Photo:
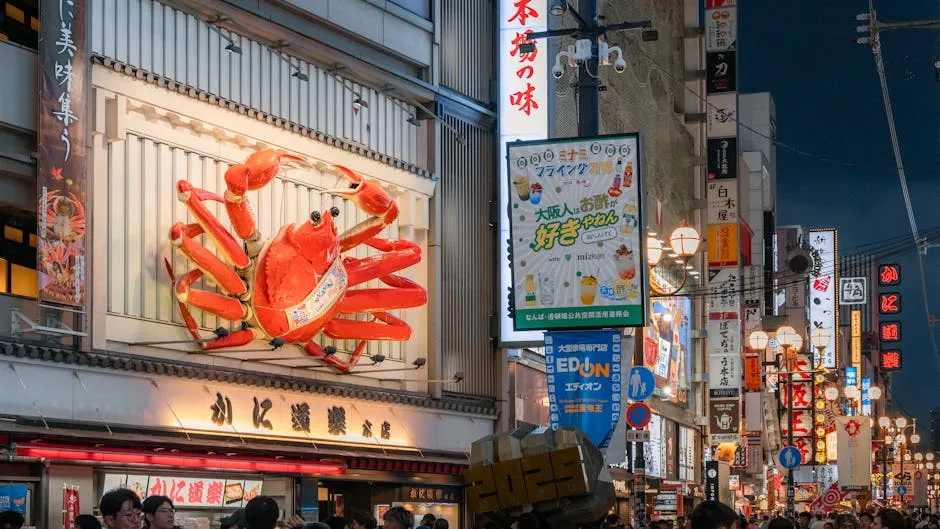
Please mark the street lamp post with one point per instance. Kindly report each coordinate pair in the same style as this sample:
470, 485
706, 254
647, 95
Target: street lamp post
788, 338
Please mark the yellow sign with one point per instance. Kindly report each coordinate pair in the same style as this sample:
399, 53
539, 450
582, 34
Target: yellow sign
723, 249
531, 479
856, 336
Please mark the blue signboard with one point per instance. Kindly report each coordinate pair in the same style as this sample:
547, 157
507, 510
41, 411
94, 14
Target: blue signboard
866, 398
790, 457
583, 373
851, 376
13, 498
641, 383
902, 490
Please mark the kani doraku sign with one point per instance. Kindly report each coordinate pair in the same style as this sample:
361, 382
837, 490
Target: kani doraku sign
232, 410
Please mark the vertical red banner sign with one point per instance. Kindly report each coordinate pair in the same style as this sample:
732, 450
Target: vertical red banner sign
61, 179
71, 506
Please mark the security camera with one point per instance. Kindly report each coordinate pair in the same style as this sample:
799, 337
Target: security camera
558, 71
620, 65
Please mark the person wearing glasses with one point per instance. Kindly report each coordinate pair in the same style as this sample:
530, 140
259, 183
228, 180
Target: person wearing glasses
159, 512
120, 509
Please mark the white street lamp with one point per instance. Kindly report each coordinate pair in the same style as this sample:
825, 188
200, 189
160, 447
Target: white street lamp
758, 340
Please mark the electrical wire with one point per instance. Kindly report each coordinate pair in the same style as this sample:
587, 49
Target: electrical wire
878, 250
902, 177
774, 141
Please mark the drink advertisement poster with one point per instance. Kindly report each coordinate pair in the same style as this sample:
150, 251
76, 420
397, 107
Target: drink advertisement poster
576, 231
583, 373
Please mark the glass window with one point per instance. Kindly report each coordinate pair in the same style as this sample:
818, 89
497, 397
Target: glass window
13, 234
19, 22
422, 8
24, 281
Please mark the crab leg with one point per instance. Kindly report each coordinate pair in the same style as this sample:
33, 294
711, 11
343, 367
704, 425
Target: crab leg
392, 328
400, 254
259, 169
193, 199
314, 350
369, 196
235, 339
222, 306
182, 235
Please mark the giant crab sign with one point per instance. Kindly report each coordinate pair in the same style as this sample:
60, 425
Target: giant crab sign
296, 285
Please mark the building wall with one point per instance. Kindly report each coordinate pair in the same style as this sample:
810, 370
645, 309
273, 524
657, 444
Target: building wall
468, 269
647, 98
179, 46
467, 66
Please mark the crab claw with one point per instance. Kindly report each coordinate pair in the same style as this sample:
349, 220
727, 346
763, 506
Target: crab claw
259, 169
368, 195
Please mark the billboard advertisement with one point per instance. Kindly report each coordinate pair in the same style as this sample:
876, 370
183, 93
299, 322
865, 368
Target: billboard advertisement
823, 295
583, 373
523, 115
667, 348
578, 254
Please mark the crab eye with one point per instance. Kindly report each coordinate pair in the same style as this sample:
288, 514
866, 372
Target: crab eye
315, 218
334, 211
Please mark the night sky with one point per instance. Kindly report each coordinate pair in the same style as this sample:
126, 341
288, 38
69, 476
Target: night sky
829, 103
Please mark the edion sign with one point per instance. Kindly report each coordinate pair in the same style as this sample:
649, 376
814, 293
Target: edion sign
587, 368
891, 360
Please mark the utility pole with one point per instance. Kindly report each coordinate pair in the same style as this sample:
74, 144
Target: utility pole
875, 27
586, 53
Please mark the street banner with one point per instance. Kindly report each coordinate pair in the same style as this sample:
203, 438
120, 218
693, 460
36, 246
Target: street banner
576, 230
711, 481
824, 299
60, 247
853, 441
584, 376
724, 418
71, 506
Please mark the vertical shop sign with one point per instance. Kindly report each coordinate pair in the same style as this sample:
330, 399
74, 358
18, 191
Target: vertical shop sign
722, 158
71, 507
722, 198
578, 256
523, 115
721, 27
711, 481
824, 306
853, 436
583, 374
722, 71
60, 260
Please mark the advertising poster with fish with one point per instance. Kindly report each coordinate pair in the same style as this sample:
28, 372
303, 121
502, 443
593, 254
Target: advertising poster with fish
576, 217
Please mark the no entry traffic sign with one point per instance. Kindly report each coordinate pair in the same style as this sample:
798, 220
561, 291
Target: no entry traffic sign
638, 415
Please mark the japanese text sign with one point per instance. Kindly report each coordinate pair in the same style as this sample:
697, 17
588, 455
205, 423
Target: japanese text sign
722, 158
722, 117
578, 256
71, 506
823, 307
722, 197
855, 335
891, 359
724, 375
188, 491
889, 275
889, 303
61, 175
523, 115
853, 290
890, 331
723, 292
583, 371
721, 29
723, 245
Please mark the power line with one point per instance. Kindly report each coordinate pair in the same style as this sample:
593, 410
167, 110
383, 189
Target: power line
902, 177
775, 141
